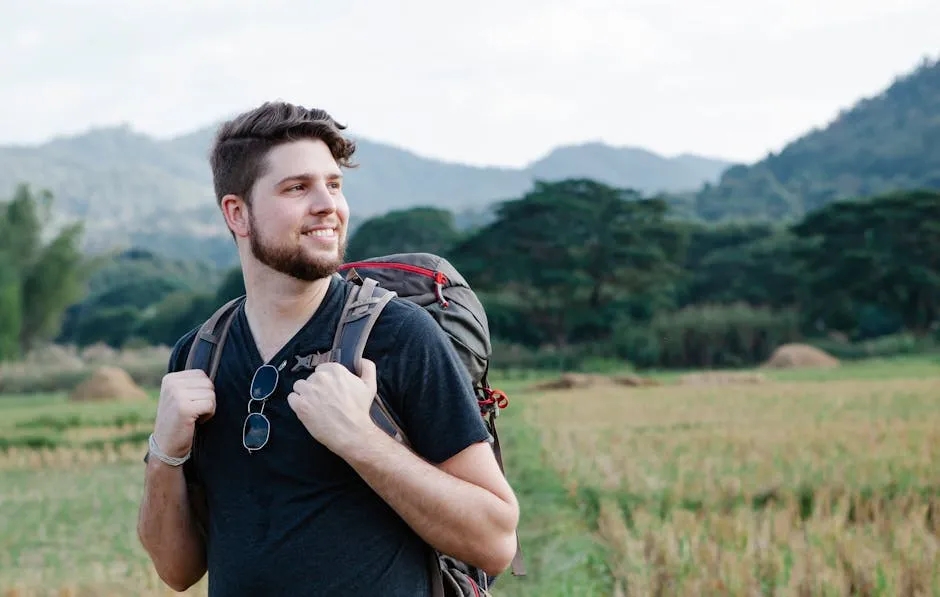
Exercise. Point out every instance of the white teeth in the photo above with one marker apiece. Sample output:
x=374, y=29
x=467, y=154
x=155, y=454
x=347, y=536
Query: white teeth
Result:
x=323, y=233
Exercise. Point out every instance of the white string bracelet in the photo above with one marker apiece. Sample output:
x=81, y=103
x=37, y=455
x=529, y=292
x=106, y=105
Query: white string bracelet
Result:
x=171, y=460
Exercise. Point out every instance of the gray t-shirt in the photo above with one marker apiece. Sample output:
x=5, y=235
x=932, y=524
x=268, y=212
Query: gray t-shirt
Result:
x=294, y=518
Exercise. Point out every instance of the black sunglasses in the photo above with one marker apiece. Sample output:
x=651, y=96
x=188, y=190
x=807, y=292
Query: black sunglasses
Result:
x=257, y=428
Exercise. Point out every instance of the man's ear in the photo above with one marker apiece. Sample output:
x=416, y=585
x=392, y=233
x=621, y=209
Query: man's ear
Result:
x=235, y=211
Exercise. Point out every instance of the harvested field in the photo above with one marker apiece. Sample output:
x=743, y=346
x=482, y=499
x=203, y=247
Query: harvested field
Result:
x=803, y=488
x=810, y=482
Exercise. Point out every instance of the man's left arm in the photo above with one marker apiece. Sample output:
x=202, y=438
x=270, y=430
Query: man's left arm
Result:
x=463, y=507
x=460, y=503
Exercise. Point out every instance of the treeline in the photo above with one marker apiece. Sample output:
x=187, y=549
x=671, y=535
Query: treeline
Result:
x=573, y=274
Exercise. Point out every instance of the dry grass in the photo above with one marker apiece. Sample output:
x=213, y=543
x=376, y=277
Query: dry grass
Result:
x=701, y=441
x=773, y=552
x=675, y=473
x=666, y=476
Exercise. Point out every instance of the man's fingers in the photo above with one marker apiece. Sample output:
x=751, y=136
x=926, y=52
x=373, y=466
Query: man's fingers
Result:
x=293, y=400
x=202, y=405
x=201, y=394
x=195, y=383
x=188, y=374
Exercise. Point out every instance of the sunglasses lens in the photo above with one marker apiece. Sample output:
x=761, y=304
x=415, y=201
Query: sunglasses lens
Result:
x=256, y=432
x=264, y=382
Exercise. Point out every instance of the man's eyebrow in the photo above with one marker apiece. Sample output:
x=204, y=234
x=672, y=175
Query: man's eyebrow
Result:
x=309, y=176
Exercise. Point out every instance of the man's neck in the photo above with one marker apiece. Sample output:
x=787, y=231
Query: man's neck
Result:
x=278, y=306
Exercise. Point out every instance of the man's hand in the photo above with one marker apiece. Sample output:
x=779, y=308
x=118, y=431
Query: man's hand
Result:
x=333, y=404
x=185, y=397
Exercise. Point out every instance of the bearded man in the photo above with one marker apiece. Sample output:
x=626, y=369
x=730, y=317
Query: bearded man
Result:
x=312, y=498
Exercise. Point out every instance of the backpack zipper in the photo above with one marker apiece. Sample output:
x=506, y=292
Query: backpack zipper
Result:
x=439, y=278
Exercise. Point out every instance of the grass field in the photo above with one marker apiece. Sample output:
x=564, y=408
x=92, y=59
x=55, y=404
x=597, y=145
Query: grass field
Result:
x=813, y=483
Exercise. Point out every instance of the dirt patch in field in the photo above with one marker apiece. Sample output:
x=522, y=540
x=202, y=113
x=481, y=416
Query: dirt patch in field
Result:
x=108, y=383
x=573, y=381
x=634, y=381
x=719, y=378
x=793, y=356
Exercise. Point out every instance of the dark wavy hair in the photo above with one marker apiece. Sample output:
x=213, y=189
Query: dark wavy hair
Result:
x=239, y=153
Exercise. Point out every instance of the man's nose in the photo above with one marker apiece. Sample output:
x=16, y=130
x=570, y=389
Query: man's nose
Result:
x=322, y=200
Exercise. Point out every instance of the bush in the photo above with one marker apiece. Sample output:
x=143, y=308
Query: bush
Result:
x=891, y=345
x=582, y=358
x=707, y=336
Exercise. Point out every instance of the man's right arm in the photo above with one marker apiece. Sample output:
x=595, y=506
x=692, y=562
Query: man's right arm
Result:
x=167, y=528
x=166, y=524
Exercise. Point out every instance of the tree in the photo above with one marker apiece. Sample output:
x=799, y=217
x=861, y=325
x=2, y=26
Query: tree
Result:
x=760, y=273
x=568, y=250
x=420, y=229
x=41, y=279
x=882, y=251
x=11, y=310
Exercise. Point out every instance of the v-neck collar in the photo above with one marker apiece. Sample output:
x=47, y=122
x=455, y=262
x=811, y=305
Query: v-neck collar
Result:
x=280, y=357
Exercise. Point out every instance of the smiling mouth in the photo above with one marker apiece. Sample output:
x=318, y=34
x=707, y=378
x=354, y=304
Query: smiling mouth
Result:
x=322, y=233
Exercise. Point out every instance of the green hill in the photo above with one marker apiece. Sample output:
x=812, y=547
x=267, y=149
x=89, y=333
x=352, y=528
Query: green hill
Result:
x=883, y=143
x=133, y=190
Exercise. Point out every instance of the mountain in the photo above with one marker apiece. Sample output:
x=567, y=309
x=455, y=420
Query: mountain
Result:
x=883, y=143
x=133, y=190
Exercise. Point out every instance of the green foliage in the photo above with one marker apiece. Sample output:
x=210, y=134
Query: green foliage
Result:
x=707, y=336
x=176, y=315
x=760, y=272
x=420, y=229
x=879, y=251
x=39, y=280
x=53, y=282
x=232, y=286
x=11, y=310
x=568, y=250
x=126, y=298
x=574, y=275
x=891, y=345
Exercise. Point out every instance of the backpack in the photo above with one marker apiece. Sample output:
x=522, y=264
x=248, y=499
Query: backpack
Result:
x=434, y=284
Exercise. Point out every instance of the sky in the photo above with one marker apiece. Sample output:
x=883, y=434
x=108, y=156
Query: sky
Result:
x=490, y=82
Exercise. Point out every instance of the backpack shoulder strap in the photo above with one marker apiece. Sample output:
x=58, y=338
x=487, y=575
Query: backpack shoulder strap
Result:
x=206, y=349
x=362, y=309
x=205, y=353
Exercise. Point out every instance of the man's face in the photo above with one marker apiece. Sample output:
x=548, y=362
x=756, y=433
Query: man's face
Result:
x=298, y=212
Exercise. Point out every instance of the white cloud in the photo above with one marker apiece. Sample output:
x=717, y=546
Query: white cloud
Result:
x=487, y=82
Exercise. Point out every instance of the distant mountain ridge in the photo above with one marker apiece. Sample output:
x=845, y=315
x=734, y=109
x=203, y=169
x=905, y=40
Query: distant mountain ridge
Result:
x=883, y=143
x=134, y=190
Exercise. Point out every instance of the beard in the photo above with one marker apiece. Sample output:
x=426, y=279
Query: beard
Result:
x=293, y=261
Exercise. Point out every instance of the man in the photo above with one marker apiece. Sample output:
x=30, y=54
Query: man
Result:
x=330, y=504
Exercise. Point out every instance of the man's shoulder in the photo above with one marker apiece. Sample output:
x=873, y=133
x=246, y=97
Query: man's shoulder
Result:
x=402, y=318
x=400, y=310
